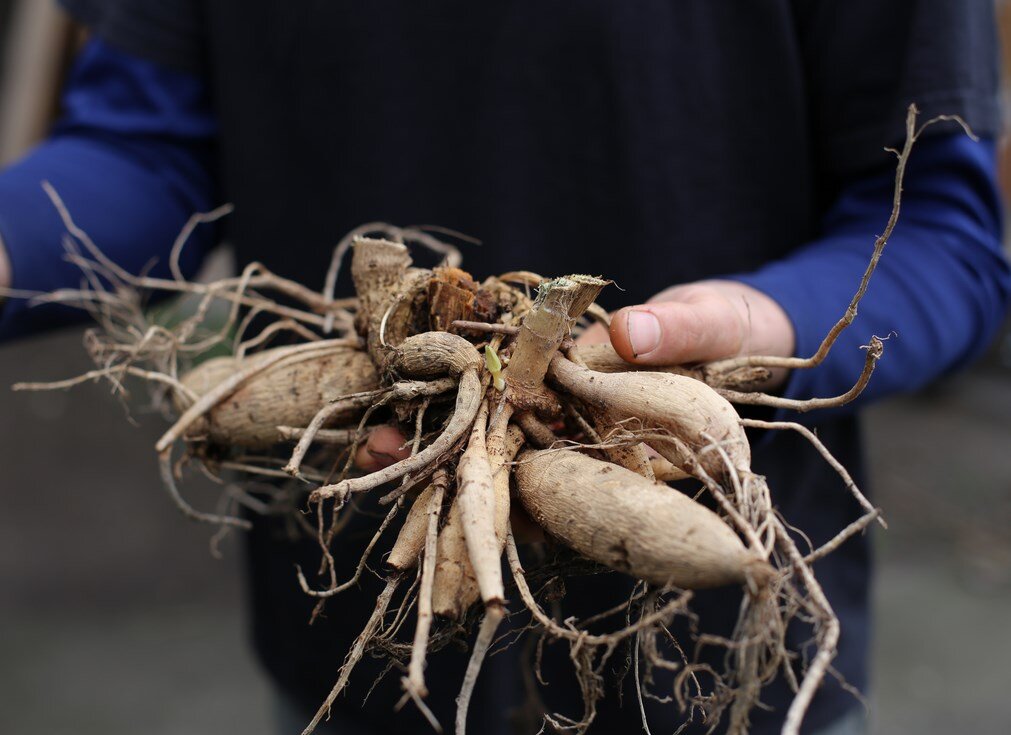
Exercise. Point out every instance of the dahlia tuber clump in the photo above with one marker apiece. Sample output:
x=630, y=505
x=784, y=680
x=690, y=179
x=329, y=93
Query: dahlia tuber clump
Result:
x=502, y=408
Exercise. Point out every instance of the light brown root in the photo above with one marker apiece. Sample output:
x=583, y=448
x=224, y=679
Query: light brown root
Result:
x=285, y=325
x=468, y=401
x=536, y=431
x=493, y=615
x=485, y=327
x=827, y=635
x=456, y=584
x=168, y=478
x=410, y=543
x=630, y=456
x=874, y=351
x=857, y=526
x=308, y=436
x=659, y=401
x=826, y=455
x=573, y=634
x=621, y=519
x=114, y=373
x=414, y=682
x=476, y=497
x=356, y=652
x=336, y=590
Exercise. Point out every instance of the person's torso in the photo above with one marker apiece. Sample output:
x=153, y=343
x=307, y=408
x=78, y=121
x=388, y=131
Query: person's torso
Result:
x=652, y=143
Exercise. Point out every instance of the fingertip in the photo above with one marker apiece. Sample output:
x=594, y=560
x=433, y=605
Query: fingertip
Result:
x=638, y=335
x=364, y=459
x=384, y=446
x=619, y=335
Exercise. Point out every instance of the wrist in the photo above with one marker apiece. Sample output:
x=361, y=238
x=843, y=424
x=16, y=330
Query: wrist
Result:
x=5, y=267
x=5, y=274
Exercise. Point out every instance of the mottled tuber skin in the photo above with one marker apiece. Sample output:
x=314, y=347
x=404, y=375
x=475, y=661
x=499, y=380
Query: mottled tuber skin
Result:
x=411, y=539
x=456, y=583
x=476, y=497
x=618, y=518
x=455, y=587
x=433, y=355
x=286, y=394
x=686, y=409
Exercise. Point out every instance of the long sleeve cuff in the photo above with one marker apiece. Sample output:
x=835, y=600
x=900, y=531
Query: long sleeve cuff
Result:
x=130, y=158
x=123, y=205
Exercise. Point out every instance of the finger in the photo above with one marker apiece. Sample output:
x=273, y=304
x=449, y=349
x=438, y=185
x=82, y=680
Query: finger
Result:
x=384, y=446
x=670, y=333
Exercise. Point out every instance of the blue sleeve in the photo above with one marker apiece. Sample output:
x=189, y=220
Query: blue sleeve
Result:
x=131, y=157
x=940, y=289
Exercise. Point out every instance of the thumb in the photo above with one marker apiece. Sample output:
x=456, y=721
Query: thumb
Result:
x=674, y=332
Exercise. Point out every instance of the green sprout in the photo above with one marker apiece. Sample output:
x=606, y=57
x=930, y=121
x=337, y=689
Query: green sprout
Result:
x=494, y=366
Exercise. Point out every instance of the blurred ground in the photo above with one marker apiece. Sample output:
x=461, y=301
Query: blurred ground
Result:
x=115, y=619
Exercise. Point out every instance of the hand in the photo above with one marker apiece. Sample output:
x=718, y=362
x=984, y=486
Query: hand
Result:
x=702, y=322
x=696, y=322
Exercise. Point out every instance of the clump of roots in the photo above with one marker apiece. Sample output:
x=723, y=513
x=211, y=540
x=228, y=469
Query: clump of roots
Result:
x=502, y=409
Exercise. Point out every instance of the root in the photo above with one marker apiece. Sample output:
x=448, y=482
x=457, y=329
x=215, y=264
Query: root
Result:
x=874, y=351
x=570, y=633
x=826, y=455
x=308, y=436
x=468, y=402
x=476, y=497
x=492, y=618
x=356, y=652
x=168, y=478
x=115, y=374
x=414, y=682
x=612, y=409
x=329, y=437
x=324, y=594
x=912, y=134
x=827, y=636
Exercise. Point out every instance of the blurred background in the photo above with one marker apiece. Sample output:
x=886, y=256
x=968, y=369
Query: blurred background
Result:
x=115, y=617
